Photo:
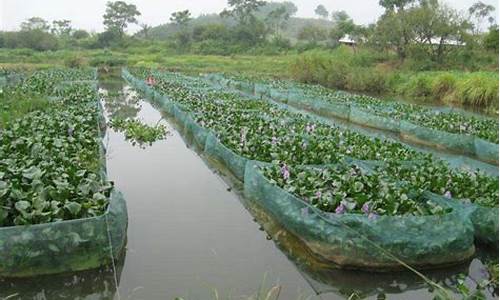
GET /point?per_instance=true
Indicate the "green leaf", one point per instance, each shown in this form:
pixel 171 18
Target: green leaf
pixel 22 206
pixel 73 207
pixel 32 173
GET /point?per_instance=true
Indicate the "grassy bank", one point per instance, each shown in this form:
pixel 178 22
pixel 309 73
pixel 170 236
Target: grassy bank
pixel 362 71
pixel 371 73
pixel 153 57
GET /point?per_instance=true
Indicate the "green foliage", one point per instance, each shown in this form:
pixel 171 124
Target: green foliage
pixel 118 15
pixel 181 18
pixel 321 11
pixel 261 131
pixel 419 87
pixel 36 39
pixel 434 176
pixel 61 28
pixel 443 85
pixel 109 38
pixel 35 23
pixel 343 69
pixel 490 41
pixel 350 189
pixel 75 62
pixel 312 34
pixel 15 104
pixel 493 271
pixel 369 80
pixel 339 68
pixel 137 132
pixel 243 10
pixel 479 90
pixel 50 159
pixel 452 122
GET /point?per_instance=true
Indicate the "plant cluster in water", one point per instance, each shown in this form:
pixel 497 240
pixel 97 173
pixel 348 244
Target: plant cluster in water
pixel 453 122
pixel 50 159
pixel 262 131
pixel 137 132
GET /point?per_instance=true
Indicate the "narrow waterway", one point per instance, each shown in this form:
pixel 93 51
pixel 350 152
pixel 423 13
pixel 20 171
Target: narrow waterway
pixel 192 236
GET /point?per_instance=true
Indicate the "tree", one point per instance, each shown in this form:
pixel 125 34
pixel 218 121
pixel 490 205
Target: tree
pixel 395 5
pixel 344 25
pixel 312 34
pixel 108 38
pixel 181 18
pixel 481 12
pixel 35 39
pixel 80 34
pixel 61 27
pixel 250 30
pixel 243 10
pixel 431 29
pixel 35 23
pixel 321 11
pixel 145 30
pixel 266 9
pixel 393 31
pixel 118 15
pixel 490 41
pixel 277 19
pixel 437 29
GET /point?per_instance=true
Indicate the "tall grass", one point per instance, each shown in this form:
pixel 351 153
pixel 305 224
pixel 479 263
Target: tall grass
pixel 363 72
pixel 478 90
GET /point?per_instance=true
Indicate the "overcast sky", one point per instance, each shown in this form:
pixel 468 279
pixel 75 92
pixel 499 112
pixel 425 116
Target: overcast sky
pixel 87 14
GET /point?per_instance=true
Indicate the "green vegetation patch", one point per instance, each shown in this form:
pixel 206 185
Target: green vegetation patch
pixel 50 160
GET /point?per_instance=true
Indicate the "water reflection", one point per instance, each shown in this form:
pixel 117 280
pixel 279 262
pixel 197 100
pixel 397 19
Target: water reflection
pixel 355 284
pixel 93 284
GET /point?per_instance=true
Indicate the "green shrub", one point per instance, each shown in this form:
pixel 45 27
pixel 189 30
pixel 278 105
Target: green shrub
pixel 367 80
pixel 419 86
pixel 108 61
pixel 443 85
pixel 75 62
pixel 478 90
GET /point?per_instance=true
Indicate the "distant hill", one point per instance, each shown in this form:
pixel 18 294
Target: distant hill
pixel 294 24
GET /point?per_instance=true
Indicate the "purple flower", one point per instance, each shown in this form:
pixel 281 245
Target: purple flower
pixel 318 194
pixel 274 140
pixel 366 208
pixel 340 209
pixel 373 216
pixel 285 172
pixel 310 128
pixel 447 194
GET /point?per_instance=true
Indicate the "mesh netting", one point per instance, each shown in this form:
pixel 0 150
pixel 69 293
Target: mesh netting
pixel 64 246
pixel 458 143
pixel 71 245
pixel 349 240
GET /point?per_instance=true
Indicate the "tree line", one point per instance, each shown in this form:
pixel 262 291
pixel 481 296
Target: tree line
pixel 409 28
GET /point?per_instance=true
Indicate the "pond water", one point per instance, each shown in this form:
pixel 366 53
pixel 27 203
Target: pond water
pixel 191 235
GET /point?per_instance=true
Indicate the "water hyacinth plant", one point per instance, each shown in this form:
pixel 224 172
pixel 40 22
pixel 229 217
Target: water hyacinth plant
pixel 139 133
pixel 346 188
pixel 50 167
pixel 260 130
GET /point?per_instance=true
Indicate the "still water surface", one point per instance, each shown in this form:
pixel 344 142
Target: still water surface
pixel 190 235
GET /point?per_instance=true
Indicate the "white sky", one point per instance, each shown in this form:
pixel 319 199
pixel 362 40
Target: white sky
pixel 87 14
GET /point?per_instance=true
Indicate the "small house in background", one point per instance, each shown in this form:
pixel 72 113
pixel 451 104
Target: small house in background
pixel 447 42
pixel 347 40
